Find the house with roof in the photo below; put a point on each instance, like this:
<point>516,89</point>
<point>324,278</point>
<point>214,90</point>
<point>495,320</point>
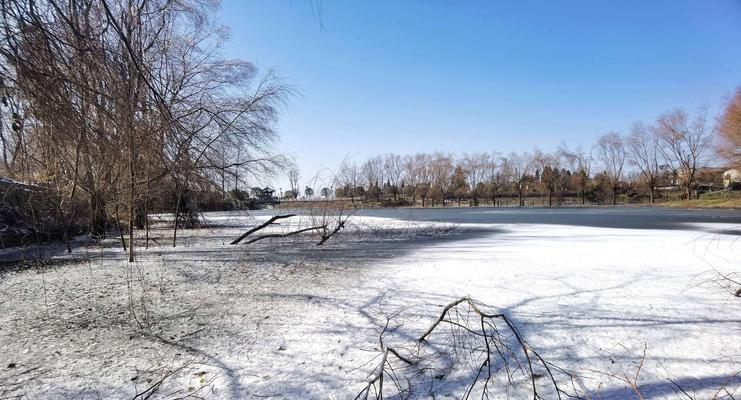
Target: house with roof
<point>732,179</point>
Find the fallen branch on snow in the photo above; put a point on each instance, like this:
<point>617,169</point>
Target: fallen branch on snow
<point>261,226</point>
<point>495,361</point>
<point>282,235</point>
<point>325,233</point>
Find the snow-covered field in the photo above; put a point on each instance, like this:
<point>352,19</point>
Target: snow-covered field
<point>287,319</point>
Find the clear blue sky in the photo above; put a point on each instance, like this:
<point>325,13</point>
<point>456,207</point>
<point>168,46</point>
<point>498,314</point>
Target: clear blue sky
<point>461,76</point>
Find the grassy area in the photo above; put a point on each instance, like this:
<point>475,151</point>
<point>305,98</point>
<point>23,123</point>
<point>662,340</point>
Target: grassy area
<point>709,200</point>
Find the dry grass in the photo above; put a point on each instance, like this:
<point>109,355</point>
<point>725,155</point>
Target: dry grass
<point>730,202</point>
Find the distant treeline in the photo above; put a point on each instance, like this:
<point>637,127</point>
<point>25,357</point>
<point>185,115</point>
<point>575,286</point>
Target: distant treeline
<point>652,160</point>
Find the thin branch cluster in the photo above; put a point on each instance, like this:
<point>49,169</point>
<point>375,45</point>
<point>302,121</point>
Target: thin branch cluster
<point>467,353</point>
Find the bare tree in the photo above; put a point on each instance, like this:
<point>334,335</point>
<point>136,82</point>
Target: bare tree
<point>411,177</point>
<point>517,167</point>
<point>684,143</point>
<point>494,177</point>
<point>459,182</point>
<point>611,152</point>
<point>393,168</point>
<point>549,170</point>
<point>475,165</point>
<point>293,177</point>
<point>440,171</point>
<point>643,146</point>
<point>372,171</point>
<point>349,179</point>
<point>424,170</point>
<point>580,164</point>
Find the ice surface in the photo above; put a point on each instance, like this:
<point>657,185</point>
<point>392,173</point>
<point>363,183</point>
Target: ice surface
<point>287,319</point>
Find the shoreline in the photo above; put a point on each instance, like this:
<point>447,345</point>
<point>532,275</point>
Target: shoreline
<point>721,204</point>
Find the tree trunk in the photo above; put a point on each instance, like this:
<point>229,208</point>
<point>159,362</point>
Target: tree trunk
<point>177,217</point>
<point>614,196</point>
<point>97,214</point>
<point>131,220</point>
<point>146,214</point>
<point>118,224</point>
<point>132,183</point>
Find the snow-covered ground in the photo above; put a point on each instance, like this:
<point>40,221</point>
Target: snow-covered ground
<point>287,319</point>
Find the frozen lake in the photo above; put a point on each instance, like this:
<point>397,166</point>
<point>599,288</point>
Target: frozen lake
<point>599,217</point>
<point>591,288</point>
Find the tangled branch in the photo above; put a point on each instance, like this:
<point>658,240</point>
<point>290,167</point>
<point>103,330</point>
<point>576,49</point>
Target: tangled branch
<point>467,352</point>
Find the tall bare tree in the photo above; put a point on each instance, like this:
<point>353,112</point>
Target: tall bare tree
<point>494,177</point>
<point>643,147</point>
<point>549,170</point>
<point>518,167</point>
<point>349,178</point>
<point>611,152</point>
<point>684,143</point>
<point>393,169</point>
<point>372,172</point>
<point>410,177</point>
<point>475,165</point>
<point>580,164</point>
<point>441,170</point>
<point>423,169</point>
<point>293,177</point>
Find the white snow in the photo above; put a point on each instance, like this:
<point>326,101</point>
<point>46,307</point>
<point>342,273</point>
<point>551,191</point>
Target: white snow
<point>288,319</point>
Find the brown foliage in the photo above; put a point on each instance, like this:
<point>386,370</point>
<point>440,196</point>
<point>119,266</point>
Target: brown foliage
<point>729,128</point>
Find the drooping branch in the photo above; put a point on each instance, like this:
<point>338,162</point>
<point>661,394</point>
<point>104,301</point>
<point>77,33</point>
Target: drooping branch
<point>261,226</point>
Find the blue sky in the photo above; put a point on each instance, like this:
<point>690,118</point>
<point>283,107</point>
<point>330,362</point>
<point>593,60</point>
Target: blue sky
<point>411,76</point>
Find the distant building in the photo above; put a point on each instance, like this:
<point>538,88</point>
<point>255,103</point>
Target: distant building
<point>732,179</point>
<point>265,194</point>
